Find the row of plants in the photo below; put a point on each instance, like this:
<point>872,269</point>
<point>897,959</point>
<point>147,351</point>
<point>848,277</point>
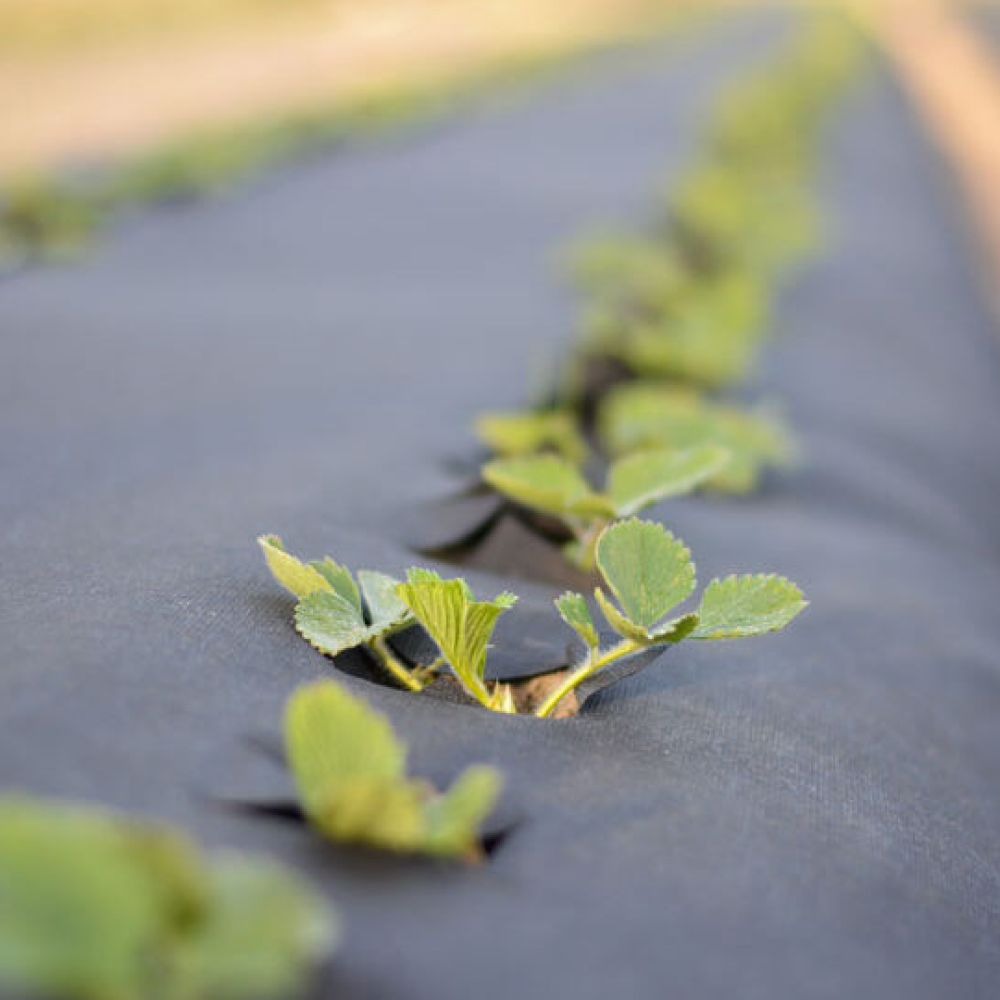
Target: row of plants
<point>698,287</point>
<point>673,318</point>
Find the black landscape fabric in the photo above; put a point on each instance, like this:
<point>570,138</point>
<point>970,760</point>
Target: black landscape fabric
<point>810,815</point>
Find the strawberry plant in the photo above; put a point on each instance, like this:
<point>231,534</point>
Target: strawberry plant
<point>95,907</point>
<point>644,568</point>
<point>649,573</point>
<point>551,485</point>
<point>350,770</point>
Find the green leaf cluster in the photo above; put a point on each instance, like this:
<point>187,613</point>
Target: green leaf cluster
<point>350,771</point>
<point>649,573</point>
<point>461,628</point>
<point>530,432</point>
<point>96,907</point>
<point>335,613</point>
<point>552,485</point>
<point>675,316</point>
<point>644,415</point>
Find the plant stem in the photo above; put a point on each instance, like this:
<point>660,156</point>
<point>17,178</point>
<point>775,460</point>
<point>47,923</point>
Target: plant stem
<point>393,665</point>
<point>595,661</point>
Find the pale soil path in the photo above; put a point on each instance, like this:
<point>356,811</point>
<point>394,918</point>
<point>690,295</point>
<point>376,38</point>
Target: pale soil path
<point>97,104</point>
<point>954,78</point>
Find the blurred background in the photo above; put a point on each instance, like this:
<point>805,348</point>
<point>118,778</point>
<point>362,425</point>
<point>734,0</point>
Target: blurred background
<point>104,103</point>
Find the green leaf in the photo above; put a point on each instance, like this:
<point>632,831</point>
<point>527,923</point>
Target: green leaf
<point>292,573</point>
<point>385,608</point>
<point>332,624</point>
<point>575,613</point>
<point>645,478</point>
<point>262,933</point>
<point>747,605</point>
<point>645,416</point>
<point>454,818</point>
<point>387,814</point>
<point>676,630</point>
<point>459,625</point>
<point>350,771</point>
<point>94,907</point>
<point>339,578</point>
<point>546,483</point>
<point>332,738</point>
<point>621,623</point>
<point>530,432</point>
<point>648,570</point>
<point>76,911</point>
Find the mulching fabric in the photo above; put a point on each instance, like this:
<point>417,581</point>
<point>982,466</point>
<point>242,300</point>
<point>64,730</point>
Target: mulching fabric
<point>810,815</point>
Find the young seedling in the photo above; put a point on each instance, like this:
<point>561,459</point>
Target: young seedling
<point>530,432</point>
<point>461,627</point>
<point>95,907</point>
<point>335,614</point>
<point>710,336</point>
<point>649,573</point>
<point>552,485</point>
<point>350,770</point>
<point>645,415</point>
<point>733,217</point>
<point>630,276</point>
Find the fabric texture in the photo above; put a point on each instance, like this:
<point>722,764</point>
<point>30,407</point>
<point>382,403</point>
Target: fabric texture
<point>807,816</point>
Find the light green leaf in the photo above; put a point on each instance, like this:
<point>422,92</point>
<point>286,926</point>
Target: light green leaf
<point>339,578</point>
<point>747,605</point>
<point>676,630</point>
<point>332,738</point>
<point>458,624</point>
<point>262,933</point>
<point>575,613</point>
<point>647,477</point>
<point>350,771</point>
<point>76,911</point>
<point>546,483</point>
<point>378,812</point>
<point>454,818</point>
<point>645,416</point>
<point>384,605</point>
<point>95,907</point>
<point>648,570</point>
<point>529,432</point>
<point>620,623</point>
<point>291,573</point>
<point>331,624</point>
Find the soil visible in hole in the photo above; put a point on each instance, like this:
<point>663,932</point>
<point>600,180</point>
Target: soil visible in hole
<point>529,693</point>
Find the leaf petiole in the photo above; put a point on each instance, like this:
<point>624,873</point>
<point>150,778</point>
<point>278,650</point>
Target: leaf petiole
<point>412,681</point>
<point>595,661</point>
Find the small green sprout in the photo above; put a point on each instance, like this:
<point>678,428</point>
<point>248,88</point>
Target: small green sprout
<point>530,432</point>
<point>649,573</point>
<point>710,336</point>
<point>334,614</point>
<point>461,627</point>
<point>552,485</point>
<point>631,276</point>
<point>643,415</point>
<point>97,907</point>
<point>761,222</point>
<point>350,770</point>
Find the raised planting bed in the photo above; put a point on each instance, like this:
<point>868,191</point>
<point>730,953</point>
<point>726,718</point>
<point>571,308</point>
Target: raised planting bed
<point>808,815</point>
